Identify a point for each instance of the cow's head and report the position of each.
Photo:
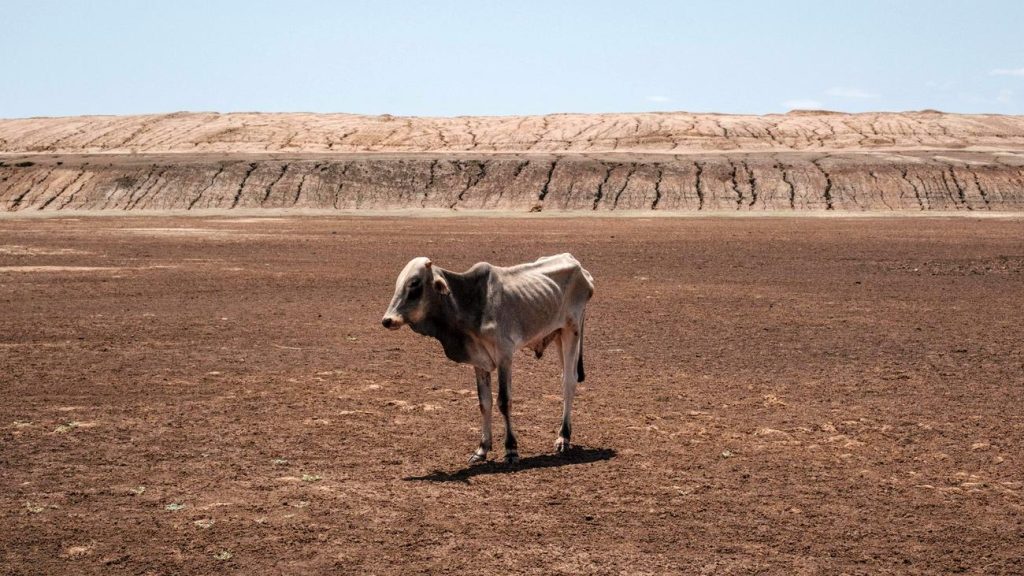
(418, 288)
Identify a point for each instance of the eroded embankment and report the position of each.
(742, 181)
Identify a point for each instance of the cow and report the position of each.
(487, 313)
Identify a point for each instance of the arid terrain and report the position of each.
(809, 160)
(769, 396)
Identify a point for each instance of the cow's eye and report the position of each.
(415, 289)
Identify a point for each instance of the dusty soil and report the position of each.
(780, 396)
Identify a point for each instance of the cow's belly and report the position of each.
(540, 343)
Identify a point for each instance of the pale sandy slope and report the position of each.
(580, 133)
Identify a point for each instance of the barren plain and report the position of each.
(764, 396)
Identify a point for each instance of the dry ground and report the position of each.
(781, 396)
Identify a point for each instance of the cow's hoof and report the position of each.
(511, 458)
(562, 445)
(477, 458)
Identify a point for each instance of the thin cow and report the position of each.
(484, 315)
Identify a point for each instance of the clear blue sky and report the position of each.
(524, 57)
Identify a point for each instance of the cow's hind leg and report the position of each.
(505, 405)
(570, 348)
(483, 393)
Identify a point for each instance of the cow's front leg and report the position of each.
(505, 405)
(483, 394)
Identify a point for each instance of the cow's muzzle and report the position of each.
(391, 323)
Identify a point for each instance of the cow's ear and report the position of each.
(440, 285)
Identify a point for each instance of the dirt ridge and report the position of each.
(672, 161)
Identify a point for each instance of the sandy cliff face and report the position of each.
(678, 162)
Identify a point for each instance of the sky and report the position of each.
(449, 58)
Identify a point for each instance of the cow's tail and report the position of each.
(580, 375)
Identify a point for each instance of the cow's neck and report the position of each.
(468, 296)
(456, 317)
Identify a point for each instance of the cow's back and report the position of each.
(536, 297)
(562, 269)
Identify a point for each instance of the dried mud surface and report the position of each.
(913, 161)
(667, 132)
(770, 396)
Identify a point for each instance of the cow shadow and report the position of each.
(575, 455)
